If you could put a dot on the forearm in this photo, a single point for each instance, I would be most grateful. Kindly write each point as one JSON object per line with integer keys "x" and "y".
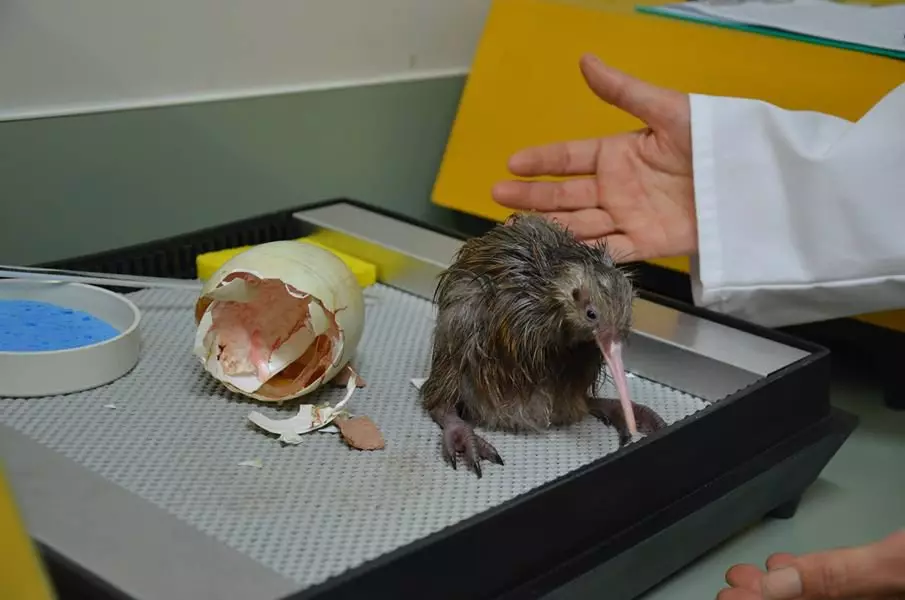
{"x": 801, "y": 216}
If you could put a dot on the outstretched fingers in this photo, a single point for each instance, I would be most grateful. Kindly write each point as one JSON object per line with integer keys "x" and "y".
{"x": 593, "y": 225}
{"x": 547, "y": 196}
{"x": 650, "y": 103}
{"x": 577, "y": 157}
{"x": 748, "y": 576}
{"x": 779, "y": 560}
{"x": 871, "y": 570}
{"x": 745, "y": 576}
{"x": 738, "y": 594}
{"x": 586, "y": 224}
{"x": 654, "y": 105}
{"x": 875, "y": 570}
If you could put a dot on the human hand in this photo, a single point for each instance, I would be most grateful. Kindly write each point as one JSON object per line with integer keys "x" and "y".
{"x": 634, "y": 189}
{"x": 868, "y": 572}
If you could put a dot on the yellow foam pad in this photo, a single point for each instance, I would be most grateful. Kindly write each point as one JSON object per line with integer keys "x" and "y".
{"x": 366, "y": 273}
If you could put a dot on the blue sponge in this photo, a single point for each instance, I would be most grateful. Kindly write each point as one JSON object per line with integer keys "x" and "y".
{"x": 30, "y": 326}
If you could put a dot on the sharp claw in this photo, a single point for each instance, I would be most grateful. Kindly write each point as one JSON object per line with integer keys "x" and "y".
{"x": 488, "y": 452}
{"x": 472, "y": 455}
{"x": 650, "y": 421}
{"x": 451, "y": 459}
{"x": 448, "y": 449}
{"x": 458, "y": 436}
{"x": 606, "y": 409}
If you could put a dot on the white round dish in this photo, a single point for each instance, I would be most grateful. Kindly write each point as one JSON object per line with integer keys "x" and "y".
{"x": 54, "y": 372}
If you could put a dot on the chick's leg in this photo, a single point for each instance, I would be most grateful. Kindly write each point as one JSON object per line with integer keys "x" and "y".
{"x": 459, "y": 437}
{"x": 609, "y": 410}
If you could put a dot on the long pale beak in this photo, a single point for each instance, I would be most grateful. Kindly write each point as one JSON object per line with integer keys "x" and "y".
{"x": 612, "y": 353}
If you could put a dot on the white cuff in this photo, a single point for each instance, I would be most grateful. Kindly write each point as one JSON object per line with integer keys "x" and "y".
{"x": 707, "y": 264}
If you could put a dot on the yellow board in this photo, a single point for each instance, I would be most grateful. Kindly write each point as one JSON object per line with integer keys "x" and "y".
{"x": 22, "y": 575}
{"x": 366, "y": 273}
{"x": 524, "y": 87}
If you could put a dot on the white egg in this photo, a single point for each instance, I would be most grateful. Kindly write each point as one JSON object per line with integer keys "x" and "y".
{"x": 279, "y": 320}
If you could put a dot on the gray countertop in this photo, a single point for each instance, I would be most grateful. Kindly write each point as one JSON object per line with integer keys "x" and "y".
{"x": 857, "y": 499}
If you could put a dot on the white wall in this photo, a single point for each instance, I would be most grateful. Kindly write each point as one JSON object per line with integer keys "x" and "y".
{"x": 74, "y": 56}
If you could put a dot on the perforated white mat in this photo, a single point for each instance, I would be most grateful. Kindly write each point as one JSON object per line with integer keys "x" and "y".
{"x": 173, "y": 436}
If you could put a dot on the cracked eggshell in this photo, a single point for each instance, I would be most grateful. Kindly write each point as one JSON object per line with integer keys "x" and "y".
{"x": 311, "y": 270}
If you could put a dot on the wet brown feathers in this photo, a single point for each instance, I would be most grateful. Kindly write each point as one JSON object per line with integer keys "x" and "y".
{"x": 513, "y": 347}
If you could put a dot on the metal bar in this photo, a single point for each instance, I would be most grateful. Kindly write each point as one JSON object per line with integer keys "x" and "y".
{"x": 91, "y": 278}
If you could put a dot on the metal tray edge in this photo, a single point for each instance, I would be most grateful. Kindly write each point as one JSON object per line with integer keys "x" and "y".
{"x": 684, "y": 351}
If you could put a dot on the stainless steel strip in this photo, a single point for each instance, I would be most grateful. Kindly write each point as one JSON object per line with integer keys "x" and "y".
{"x": 678, "y": 368}
{"x": 91, "y": 278}
{"x": 82, "y": 516}
{"x": 720, "y": 359}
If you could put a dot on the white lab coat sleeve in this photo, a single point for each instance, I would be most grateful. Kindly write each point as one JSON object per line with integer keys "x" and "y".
{"x": 800, "y": 215}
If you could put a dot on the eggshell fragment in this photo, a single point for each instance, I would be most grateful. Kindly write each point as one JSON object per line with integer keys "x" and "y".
{"x": 342, "y": 378}
{"x": 308, "y": 418}
{"x": 361, "y": 433}
{"x": 278, "y": 320}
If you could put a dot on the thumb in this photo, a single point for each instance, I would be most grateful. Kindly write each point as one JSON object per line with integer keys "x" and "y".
{"x": 650, "y": 103}
{"x": 871, "y": 570}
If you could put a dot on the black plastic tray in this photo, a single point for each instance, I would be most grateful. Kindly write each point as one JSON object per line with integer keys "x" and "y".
{"x": 751, "y": 454}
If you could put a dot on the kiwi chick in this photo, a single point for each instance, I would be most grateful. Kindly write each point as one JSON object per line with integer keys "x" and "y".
{"x": 528, "y": 316}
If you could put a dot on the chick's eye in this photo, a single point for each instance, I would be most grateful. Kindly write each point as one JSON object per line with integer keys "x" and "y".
{"x": 591, "y": 314}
